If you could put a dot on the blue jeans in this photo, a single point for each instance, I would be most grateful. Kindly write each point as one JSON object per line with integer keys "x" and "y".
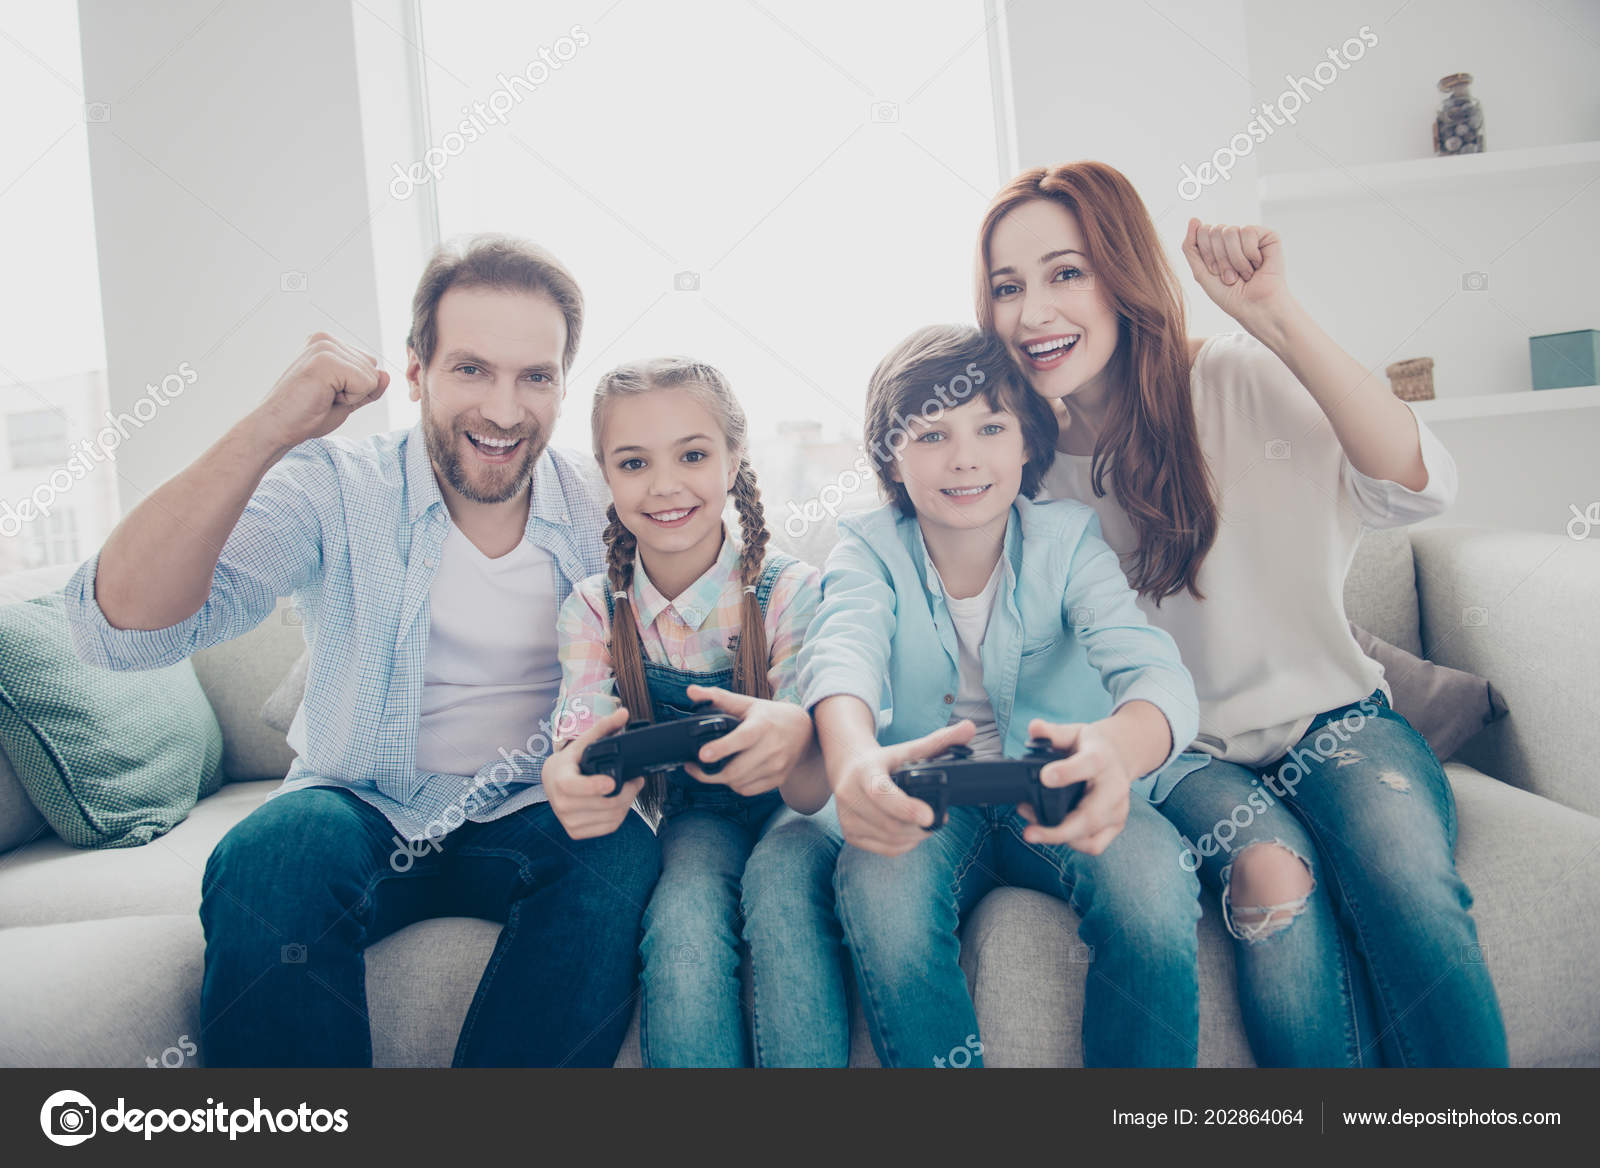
{"x": 1380, "y": 963}
{"x": 749, "y": 868}
{"x": 299, "y": 887}
{"x": 799, "y": 966}
{"x": 1138, "y": 907}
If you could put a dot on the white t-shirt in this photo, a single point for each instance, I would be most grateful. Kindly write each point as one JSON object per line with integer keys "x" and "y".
{"x": 971, "y": 618}
{"x": 491, "y": 673}
{"x": 1270, "y": 646}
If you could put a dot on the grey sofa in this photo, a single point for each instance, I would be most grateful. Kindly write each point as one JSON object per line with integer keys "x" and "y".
{"x": 102, "y": 951}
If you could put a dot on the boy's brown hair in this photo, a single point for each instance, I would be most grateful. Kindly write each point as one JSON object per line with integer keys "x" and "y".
{"x": 943, "y": 367}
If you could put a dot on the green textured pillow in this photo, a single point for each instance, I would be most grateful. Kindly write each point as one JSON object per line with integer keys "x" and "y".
{"x": 111, "y": 760}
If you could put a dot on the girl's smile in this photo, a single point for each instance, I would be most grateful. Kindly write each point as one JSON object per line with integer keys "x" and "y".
{"x": 670, "y": 470}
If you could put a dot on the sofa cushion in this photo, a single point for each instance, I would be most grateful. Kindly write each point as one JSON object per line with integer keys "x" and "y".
{"x": 1380, "y": 591}
{"x": 99, "y": 767}
{"x": 1446, "y": 706}
{"x": 1533, "y": 867}
{"x": 20, "y": 821}
{"x": 110, "y": 993}
{"x": 1519, "y": 608}
{"x": 237, "y": 676}
{"x": 283, "y": 703}
{"x": 1022, "y": 955}
{"x": 48, "y": 882}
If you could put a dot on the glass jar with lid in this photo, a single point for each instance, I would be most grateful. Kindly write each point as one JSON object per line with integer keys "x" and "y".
{"x": 1458, "y": 126}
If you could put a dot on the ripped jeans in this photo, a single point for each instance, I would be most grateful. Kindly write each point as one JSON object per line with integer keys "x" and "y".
{"x": 1380, "y": 961}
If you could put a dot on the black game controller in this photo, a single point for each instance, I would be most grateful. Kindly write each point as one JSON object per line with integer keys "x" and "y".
{"x": 956, "y": 779}
{"x": 644, "y": 747}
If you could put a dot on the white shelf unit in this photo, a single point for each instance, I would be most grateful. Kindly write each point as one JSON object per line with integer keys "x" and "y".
{"x": 1463, "y": 171}
{"x": 1499, "y": 405}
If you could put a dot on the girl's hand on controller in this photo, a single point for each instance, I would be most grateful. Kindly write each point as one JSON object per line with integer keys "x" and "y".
{"x": 584, "y": 803}
{"x": 1103, "y": 810}
{"x": 762, "y": 750}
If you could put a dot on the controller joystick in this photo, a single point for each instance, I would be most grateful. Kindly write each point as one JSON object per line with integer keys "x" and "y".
{"x": 958, "y": 779}
{"x": 649, "y": 747}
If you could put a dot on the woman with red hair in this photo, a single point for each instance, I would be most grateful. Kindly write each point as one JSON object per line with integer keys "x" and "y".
{"x": 1234, "y": 476}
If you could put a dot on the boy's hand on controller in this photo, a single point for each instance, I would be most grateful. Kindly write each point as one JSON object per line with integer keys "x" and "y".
{"x": 1103, "y": 811}
{"x": 874, "y": 813}
{"x": 584, "y": 803}
{"x": 762, "y": 751}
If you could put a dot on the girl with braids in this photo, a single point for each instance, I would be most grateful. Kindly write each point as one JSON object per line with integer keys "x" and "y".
{"x": 1234, "y": 476}
{"x": 684, "y": 613}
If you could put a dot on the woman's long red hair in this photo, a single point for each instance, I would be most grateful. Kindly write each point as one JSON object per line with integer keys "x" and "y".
{"x": 1149, "y": 446}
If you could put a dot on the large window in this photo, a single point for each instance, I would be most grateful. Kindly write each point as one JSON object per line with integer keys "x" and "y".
{"x": 52, "y": 346}
{"x": 781, "y": 189}
{"x": 36, "y": 438}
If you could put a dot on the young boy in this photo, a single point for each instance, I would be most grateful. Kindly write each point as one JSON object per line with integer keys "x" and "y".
{"x": 961, "y": 612}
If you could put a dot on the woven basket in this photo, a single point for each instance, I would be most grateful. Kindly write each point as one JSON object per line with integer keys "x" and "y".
{"x": 1412, "y": 380}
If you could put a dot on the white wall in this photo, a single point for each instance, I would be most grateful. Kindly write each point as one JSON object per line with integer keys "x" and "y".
{"x": 1524, "y": 471}
{"x": 1153, "y": 87}
{"x": 1146, "y": 88}
{"x": 1463, "y": 272}
{"x": 1533, "y": 67}
{"x": 232, "y": 158}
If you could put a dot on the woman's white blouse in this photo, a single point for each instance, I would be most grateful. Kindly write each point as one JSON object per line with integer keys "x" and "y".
{"x": 1270, "y": 646}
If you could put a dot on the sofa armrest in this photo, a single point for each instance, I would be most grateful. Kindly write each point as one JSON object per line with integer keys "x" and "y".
{"x": 1520, "y": 608}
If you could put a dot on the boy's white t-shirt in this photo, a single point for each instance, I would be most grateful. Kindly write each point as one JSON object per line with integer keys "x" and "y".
{"x": 971, "y": 618}
{"x": 491, "y": 673}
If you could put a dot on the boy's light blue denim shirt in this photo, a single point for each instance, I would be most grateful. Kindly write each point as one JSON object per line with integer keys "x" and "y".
{"x": 1067, "y": 641}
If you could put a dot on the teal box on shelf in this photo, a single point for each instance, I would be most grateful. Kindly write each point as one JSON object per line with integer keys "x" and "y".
{"x": 1565, "y": 359}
